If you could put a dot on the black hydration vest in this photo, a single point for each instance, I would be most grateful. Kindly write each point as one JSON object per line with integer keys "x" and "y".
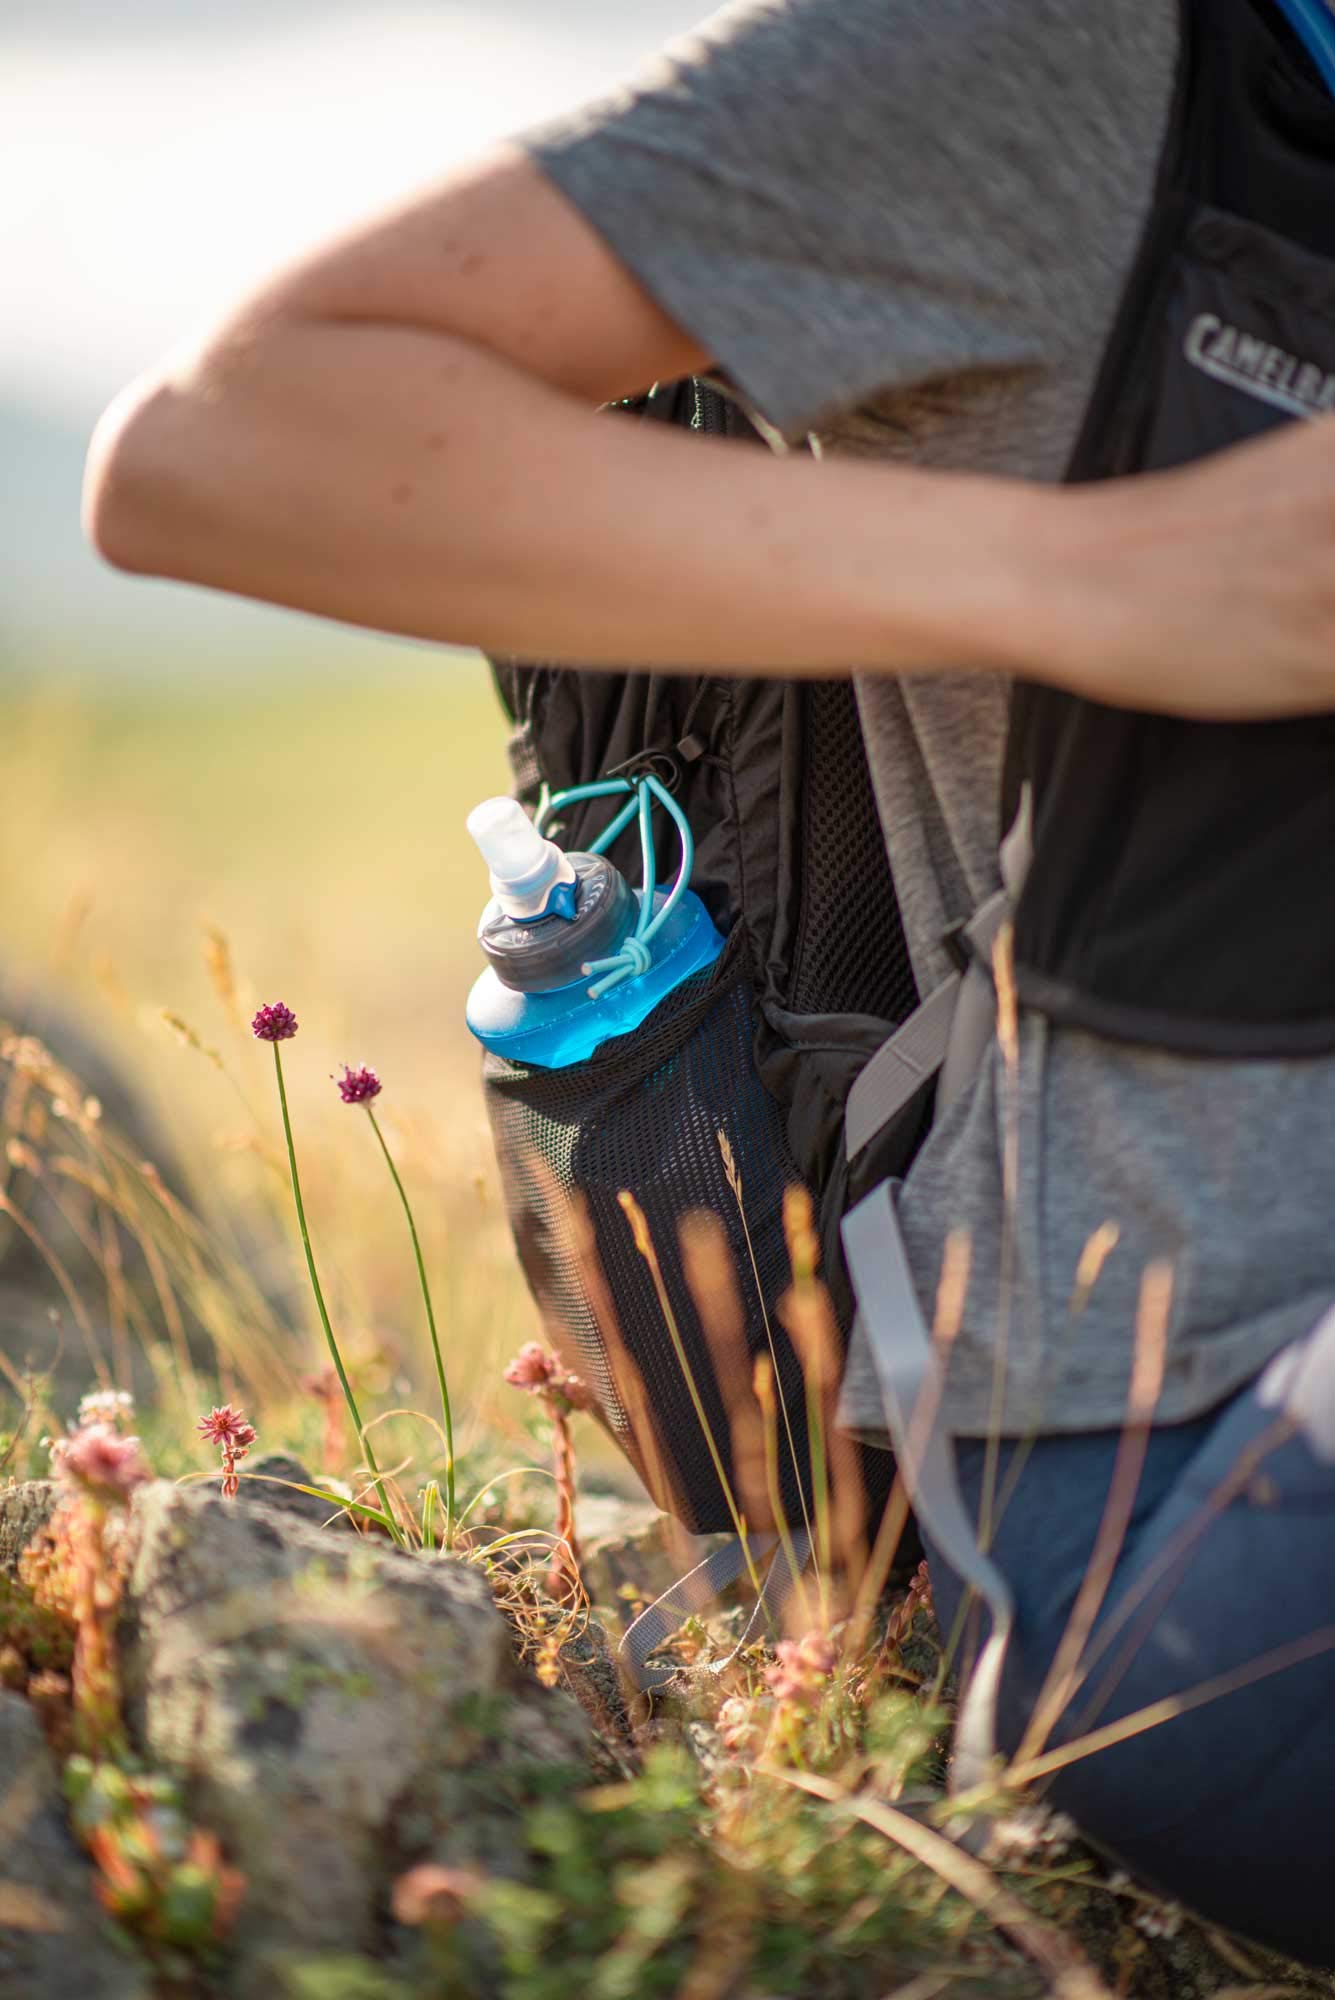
{"x": 733, "y": 1090}
{"x": 1182, "y": 887}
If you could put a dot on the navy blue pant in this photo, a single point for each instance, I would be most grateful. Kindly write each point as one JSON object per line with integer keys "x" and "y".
{"x": 1229, "y": 1808}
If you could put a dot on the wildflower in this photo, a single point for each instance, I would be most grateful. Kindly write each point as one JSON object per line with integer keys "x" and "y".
{"x": 531, "y": 1368}
{"x": 106, "y": 1406}
{"x": 801, "y": 1668}
{"x": 228, "y": 1429}
{"x": 358, "y": 1086}
{"x": 539, "y": 1371}
{"x": 536, "y": 1369}
{"x": 430, "y": 1894}
{"x": 363, "y": 1086}
{"x": 224, "y": 1426}
{"x": 274, "y": 1024}
{"x": 98, "y": 1461}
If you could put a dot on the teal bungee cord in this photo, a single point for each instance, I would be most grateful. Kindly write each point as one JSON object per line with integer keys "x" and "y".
{"x": 634, "y": 958}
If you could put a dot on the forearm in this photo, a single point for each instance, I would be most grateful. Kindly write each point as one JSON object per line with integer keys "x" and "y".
{"x": 410, "y": 481}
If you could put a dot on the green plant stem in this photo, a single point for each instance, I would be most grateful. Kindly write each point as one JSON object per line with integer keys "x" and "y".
{"x": 435, "y": 1337}
{"x": 336, "y": 1357}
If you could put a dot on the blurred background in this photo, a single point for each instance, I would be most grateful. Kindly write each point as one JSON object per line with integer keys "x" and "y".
{"x": 204, "y": 804}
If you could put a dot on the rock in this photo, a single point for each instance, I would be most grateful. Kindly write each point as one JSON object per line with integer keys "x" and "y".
{"x": 25, "y": 1509}
{"x": 53, "y": 1942}
{"x": 598, "y": 1681}
{"x": 335, "y": 1711}
{"x": 606, "y": 1517}
{"x": 631, "y": 1553}
{"x": 256, "y": 1486}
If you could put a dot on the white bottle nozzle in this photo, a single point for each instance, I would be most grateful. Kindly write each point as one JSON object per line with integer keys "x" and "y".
{"x": 525, "y": 867}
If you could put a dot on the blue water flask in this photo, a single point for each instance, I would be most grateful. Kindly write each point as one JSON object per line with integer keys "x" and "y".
{"x": 575, "y": 954}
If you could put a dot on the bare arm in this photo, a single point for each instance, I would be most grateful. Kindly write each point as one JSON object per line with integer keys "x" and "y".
{"x": 399, "y": 432}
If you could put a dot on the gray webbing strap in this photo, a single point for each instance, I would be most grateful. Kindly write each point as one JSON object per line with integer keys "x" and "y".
{"x": 948, "y": 1032}
{"x": 902, "y": 1353}
{"x": 975, "y": 1020}
{"x": 700, "y": 1587}
{"x": 900, "y": 1067}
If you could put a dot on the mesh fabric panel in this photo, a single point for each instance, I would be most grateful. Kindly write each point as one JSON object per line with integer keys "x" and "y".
{"x": 645, "y": 1114}
{"x": 851, "y": 955}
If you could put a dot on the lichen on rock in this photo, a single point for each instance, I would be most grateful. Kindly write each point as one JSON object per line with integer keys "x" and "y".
{"x": 335, "y": 1711}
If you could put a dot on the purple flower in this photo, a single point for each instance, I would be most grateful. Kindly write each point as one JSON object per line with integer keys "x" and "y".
{"x": 358, "y": 1086}
{"x": 275, "y": 1024}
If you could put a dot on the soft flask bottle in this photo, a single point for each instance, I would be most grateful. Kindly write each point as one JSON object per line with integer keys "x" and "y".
{"x": 575, "y": 955}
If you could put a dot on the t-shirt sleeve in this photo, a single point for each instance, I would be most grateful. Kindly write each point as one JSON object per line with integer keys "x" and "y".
{"x": 843, "y": 197}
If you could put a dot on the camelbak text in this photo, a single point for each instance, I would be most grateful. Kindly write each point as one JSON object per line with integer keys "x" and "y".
{"x": 1258, "y": 368}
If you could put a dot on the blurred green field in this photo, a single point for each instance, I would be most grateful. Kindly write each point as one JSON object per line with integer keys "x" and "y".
{"x": 317, "y": 826}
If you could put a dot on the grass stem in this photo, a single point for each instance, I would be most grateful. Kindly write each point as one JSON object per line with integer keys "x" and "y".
{"x": 335, "y": 1356}
{"x": 435, "y": 1337}
{"x": 644, "y": 1243}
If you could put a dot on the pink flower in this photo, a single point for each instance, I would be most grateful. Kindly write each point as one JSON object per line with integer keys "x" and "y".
{"x": 532, "y": 1368}
{"x": 275, "y": 1024}
{"x": 358, "y": 1086}
{"x": 106, "y": 1406}
{"x": 98, "y": 1460}
{"x": 539, "y": 1371}
{"x": 801, "y": 1668}
{"x": 228, "y": 1429}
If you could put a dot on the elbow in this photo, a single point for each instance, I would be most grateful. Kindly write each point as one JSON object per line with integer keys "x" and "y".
{"x": 127, "y": 479}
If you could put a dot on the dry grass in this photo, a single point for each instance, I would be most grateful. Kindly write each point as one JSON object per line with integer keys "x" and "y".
{"x": 187, "y": 855}
{"x": 189, "y": 852}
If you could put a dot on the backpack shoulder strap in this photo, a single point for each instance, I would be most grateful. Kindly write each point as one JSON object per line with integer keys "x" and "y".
{"x": 945, "y": 1038}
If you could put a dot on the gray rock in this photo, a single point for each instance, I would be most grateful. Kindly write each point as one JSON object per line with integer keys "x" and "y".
{"x": 257, "y": 1487}
{"x": 599, "y": 1683}
{"x": 25, "y": 1508}
{"x": 631, "y": 1553}
{"x": 335, "y": 1711}
{"x": 53, "y": 1943}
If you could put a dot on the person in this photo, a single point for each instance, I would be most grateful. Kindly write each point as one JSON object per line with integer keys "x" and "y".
{"x": 906, "y": 230}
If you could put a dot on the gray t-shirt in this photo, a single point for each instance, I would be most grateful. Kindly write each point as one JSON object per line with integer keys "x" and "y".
{"x": 904, "y": 225}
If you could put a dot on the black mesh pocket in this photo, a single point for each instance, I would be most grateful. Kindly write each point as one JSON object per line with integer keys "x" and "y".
{"x": 645, "y": 1115}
